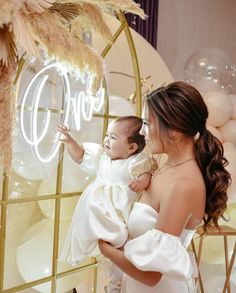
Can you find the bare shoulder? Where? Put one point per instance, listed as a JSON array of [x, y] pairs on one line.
[[184, 201], [187, 186]]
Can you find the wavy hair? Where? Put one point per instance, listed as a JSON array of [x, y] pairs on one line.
[[180, 107]]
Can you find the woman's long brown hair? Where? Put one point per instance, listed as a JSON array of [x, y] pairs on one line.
[[180, 107]]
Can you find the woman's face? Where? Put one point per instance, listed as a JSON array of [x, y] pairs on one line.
[[151, 131]]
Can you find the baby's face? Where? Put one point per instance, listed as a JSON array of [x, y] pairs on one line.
[[116, 144]]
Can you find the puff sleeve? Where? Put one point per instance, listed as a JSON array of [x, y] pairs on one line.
[[91, 157], [160, 252], [140, 164]]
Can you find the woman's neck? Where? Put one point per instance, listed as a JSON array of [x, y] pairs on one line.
[[181, 151]]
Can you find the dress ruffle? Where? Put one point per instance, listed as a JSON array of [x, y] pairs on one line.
[[160, 252]]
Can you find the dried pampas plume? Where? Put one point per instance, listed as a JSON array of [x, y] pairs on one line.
[[61, 44], [6, 114], [112, 5], [91, 17]]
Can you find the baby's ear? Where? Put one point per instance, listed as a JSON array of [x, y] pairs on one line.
[[133, 148]]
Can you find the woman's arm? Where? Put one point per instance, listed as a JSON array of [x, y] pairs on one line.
[[117, 257]]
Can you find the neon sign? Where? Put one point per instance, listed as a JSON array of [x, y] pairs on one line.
[[83, 104]]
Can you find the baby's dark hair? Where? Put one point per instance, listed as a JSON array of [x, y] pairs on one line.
[[134, 125]]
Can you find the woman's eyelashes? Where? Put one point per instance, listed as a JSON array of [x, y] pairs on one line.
[[111, 136], [145, 122]]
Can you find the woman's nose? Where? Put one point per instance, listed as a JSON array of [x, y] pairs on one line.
[[142, 131], [106, 140]]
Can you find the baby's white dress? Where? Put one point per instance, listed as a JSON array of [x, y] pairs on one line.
[[153, 250], [104, 207]]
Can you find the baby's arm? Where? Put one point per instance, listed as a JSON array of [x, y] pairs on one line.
[[141, 183], [75, 149]]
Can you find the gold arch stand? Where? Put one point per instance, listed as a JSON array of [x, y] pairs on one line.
[[58, 196]]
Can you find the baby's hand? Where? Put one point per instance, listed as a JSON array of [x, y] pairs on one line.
[[136, 185], [63, 129]]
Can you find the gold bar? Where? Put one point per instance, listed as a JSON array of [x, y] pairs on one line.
[[134, 58]]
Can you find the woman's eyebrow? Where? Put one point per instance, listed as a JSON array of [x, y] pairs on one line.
[[114, 134]]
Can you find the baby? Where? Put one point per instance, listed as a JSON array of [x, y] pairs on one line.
[[122, 170]]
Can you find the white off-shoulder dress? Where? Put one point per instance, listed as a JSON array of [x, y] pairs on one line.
[[153, 250], [104, 207]]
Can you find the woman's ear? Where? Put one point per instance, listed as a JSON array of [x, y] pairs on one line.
[[174, 134], [132, 148]]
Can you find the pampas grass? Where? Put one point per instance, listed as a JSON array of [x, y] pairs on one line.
[[58, 42], [91, 17], [6, 113]]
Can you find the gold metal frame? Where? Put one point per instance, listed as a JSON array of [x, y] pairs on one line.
[[225, 232], [5, 202]]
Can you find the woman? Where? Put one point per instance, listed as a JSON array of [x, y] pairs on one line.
[[189, 189]]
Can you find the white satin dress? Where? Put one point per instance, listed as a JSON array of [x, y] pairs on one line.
[[153, 250], [104, 207]]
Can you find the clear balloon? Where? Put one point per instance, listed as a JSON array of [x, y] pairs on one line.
[[19, 215], [34, 257], [119, 106], [73, 180], [219, 106], [91, 131], [213, 248], [209, 69], [26, 164], [215, 284]]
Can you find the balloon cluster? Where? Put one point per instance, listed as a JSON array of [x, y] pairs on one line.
[[30, 225], [212, 73]]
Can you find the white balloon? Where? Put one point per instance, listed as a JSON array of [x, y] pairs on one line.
[[230, 216], [213, 249], [233, 101], [34, 257], [230, 155], [215, 132], [232, 190], [215, 284], [12, 276], [228, 131], [220, 108]]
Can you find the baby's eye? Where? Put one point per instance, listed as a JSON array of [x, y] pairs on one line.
[[145, 123], [113, 137]]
